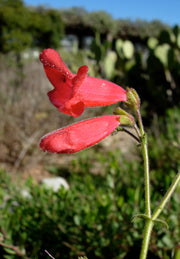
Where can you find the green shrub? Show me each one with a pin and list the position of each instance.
(93, 218)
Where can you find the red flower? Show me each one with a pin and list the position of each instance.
(80, 135)
(73, 92)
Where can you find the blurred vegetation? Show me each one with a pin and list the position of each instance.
(28, 26)
(153, 69)
(139, 54)
(93, 218)
(22, 27)
(79, 20)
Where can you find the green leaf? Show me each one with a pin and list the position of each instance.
(9, 251)
(140, 216)
(161, 221)
(77, 220)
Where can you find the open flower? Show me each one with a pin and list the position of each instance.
(80, 135)
(73, 92)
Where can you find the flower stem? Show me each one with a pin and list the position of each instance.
(147, 234)
(146, 165)
(49, 254)
(166, 197)
(131, 134)
(148, 221)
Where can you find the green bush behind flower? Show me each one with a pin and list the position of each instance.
(93, 217)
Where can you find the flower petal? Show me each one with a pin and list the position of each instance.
(72, 92)
(73, 107)
(79, 78)
(59, 75)
(99, 92)
(51, 59)
(80, 135)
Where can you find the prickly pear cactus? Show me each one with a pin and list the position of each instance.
(176, 31)
(152, 42)
(118, 46)
(109, 63)
(128, 49)
(125, 49)
(98, 49)
(167, 36)
(178, 40)
(161, 52)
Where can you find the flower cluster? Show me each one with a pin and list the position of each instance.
(71, 94)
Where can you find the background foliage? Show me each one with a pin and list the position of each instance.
(93, 218)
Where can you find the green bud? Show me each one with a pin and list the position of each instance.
(119, 111)
(126, 120)
(133, 99)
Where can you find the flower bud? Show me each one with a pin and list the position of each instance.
(120, 111)
(133, 99)
(126, 120)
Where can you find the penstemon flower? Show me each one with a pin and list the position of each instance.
(80, 135)
(73, 92)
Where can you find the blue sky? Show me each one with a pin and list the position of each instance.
(168, 11)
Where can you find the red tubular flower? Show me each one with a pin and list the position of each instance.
(73, 92)
(80, 135)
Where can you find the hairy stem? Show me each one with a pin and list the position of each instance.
(146, 165)
(166, 197)
(147, 234)
(149, 222)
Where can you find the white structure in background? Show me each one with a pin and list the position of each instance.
(55, 183)
(71, 42)
(30, 54)
(87, 41)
